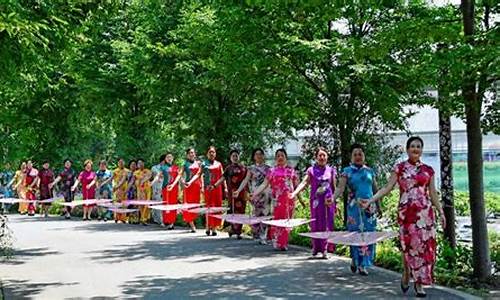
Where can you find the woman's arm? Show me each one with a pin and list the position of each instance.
(377, 203)
(340, 188)
(218, 182)
(295, 184)
(35, 182)
(11, 182)
(329, 201)
(435, 201)
(386, 189)
(175, 182)
(243, 184)
(146, 177)
(56, 181)
(108, 180)
(156, 178)
(195, 177)
(261, 188)
(300, 187)
(19, 181)
(92, 183)
(75, 185)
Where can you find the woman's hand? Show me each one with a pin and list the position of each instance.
(364, 203)
(236, 193)
(329, 202)
(292, 196)
(443, 219)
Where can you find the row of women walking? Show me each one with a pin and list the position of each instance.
(271, 191)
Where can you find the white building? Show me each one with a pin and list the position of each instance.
(425, 124)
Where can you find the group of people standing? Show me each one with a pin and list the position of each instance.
(271, 191)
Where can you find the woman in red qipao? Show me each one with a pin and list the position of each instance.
(31, 181)
(234, 174)
(212, 172)
(170, 188)
(417, 228)
(46, 176)
(88, 179)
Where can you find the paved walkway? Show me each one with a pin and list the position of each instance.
(57, 259)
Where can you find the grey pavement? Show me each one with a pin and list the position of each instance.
(58, 259)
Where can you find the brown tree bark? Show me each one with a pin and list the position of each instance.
(480, 250)
(446, 162)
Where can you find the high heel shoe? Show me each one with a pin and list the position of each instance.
(404, 288)
(353, 267)
(363, 272)
(419, 294)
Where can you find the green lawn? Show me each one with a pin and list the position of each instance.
(491, 177)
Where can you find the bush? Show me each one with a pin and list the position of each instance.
(6, 237)
(388, 255)
(495, 251)
(462, 207)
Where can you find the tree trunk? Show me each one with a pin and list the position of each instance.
(345, 145)
(480, 249)
(446, 162)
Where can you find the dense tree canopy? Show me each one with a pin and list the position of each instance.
(129, 78)
(104, 79)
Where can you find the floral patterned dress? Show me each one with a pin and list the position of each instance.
(262, 206)
(143, 192)
(21, 190)
(5, 178)
(105, 191)
(234, 175)
(417, 231)
(360, 182)
(322, 188)
(156, 192)
(132, 218)
(282, 181)
(31, 176)
(131, 188)
(120, 194)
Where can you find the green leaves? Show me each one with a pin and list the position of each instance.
(129, 78)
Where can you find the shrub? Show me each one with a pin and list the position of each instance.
(6, 237)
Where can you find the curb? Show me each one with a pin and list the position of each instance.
(393, 273)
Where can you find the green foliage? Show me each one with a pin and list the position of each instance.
(462, 206)
(388, 255)
(6, 237)
(495, 251)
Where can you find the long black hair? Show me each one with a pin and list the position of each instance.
(414, 138)
(255, 152)
(282, 150)
(356, 146)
